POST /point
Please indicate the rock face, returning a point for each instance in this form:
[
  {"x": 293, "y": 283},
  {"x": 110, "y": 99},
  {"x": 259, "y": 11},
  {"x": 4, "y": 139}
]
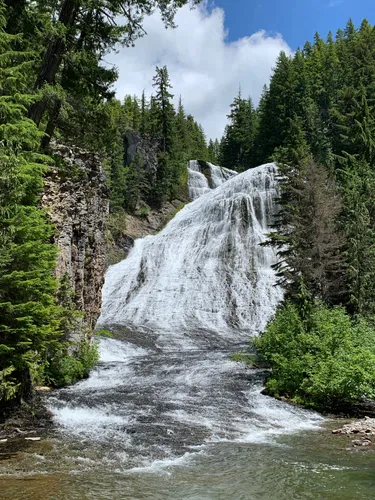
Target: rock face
[
  {"x": 121, "y": 242},
  {"x": 143, "y": 150},
  {"x": 76, "y": 198}
]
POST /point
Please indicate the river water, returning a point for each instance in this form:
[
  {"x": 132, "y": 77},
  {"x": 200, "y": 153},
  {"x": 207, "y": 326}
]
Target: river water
[
  {"x": 152, "y": 425},
  {"x": 167, "y": 414}
]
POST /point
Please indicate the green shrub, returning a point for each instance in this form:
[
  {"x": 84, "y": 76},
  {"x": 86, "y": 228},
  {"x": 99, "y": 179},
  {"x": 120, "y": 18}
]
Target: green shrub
[
  {"x": 323, "y": 359},
  {"x": 104, "y": 333},
  {"x": 64, "y": 368},
  {"x": 144, "y": 210},
  {"x": 8, "y": 385},
  {"x": 245, "y": 357}
]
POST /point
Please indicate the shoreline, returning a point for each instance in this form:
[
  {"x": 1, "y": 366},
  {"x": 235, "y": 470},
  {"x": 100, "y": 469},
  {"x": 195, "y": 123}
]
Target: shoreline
[{"x": 26, "y": 421}]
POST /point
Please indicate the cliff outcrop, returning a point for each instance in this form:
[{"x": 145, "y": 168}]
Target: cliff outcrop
[{"x": 77, "y": 200}]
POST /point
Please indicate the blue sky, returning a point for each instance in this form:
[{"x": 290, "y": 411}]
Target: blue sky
[{"x": 296, "y": 20}]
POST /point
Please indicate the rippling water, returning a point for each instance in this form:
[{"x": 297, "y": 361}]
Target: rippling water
[{"x": 148, "y": 425}]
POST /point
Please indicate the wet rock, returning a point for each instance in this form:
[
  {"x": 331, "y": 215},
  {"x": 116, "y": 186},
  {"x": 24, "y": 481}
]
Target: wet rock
[
  {"x": 362, "y": 442},
  {"x": 364, "y": 426},
  {"x": 136, "y": 226}
]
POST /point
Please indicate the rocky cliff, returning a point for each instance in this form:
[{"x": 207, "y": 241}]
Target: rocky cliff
[
  {"x": 145, "y": 150},
  {"x": 76, "y": 198},
  {"x": 124, "y": 228}
]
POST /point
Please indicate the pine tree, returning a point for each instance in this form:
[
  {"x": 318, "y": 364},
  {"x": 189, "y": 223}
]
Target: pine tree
[
  {"x": 211, "y": 151},
  {"x": 143, "y": 127},
  {"x": 278, "y": 106},
  {"x": 359, "y": 225},
  {"x": 237, "y": 150},
  {"x": 310, "y": 245},
  {"x": 197, "y": 145},
  {"x": 30, "y": 318},
  {"x": 165, "y": 108},
  {"x": 181, "y": 131},
  {"x": 163, "y": 119},
  {"x": 136, "y": 114},
  {"x": 95, "y": 28}
]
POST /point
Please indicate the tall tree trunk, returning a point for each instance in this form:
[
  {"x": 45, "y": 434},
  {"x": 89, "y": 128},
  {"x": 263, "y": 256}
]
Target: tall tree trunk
[
  {"x": 52, "y": 58},
  {"x": 51, "y": 125}
]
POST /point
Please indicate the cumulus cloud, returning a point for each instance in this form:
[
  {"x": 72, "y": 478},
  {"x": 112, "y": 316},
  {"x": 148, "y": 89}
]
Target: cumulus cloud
[{"x": 204, "y": 67}]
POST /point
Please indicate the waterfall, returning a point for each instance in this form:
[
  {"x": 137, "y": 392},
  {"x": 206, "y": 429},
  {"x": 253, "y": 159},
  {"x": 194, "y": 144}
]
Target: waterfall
[
  {"x": 167, "y": 391},
  {"x": 204, "y": 178},
  {"x": 206, "y": 271}
]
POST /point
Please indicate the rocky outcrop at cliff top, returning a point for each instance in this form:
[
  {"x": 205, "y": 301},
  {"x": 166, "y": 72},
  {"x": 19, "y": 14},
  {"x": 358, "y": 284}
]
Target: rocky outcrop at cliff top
[
  {"x": 76, "y": 198},
  {"x": 143, "y": 150}
]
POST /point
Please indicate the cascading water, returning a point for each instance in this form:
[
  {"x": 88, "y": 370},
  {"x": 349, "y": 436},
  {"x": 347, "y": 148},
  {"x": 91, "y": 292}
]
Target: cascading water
[
  {"x": 168, "y": 391},
  {"x": 206, "y": 271},
  {"x": 202, "y": 182}
]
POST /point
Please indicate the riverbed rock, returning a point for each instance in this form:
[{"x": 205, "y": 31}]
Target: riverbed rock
[
  {"x": 364, "y": 426},
  {"x": 76, "y": 197},
  {"x": 362, "y": 442}
]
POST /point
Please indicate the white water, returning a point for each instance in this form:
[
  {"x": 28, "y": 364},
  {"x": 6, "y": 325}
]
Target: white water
[
  {"x": 169, "y": 390},
  {"x": 199, "y": 184},
  {"x": 170, "y": 407},
  {"x": 206, "y": 270}
]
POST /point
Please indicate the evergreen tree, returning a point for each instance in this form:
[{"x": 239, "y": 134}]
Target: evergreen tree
[
  {"x": 165, "y": 110},
  {"x": 359, "y": 225},
  {"x": 78, "y": 25},
  {"x": 238, "y": 152},
  {"x": 136, "y": 114},
  {"x": 30, "y": 318},
  {"x": 181, "y": 131},
  {"x": 310, "y": 246},
  {"x": 211, "y": 152},
  {"x": 197, "y": 145},
  {"x": 144, "y": 115},
  {"x": 278, "y": 106}
]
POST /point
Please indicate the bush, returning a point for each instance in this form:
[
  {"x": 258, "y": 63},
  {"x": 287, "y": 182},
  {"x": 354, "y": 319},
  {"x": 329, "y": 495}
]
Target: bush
[
  {"x": 64, "y": 368},
  {"x": 321, "y": 359}
]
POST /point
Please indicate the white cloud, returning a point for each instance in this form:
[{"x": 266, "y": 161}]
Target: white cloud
[{"x": 203, "y": 66}]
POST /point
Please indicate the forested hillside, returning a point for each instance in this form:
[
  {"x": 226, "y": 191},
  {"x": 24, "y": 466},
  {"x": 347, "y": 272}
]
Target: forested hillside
[
  {"x": 317, "y": 120},
  {"x": 178, "y": 138}
]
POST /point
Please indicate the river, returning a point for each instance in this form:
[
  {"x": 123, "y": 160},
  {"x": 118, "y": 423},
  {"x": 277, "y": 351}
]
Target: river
[{"x": 148, "y": 425}]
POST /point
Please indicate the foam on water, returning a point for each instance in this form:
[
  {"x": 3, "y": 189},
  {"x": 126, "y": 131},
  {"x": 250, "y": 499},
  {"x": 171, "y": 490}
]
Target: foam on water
[
  {"x": 111, "y": 350},
  {"x": 99, "y": 424}
]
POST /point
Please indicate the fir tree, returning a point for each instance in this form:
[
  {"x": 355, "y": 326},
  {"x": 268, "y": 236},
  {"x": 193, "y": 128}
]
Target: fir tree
[
  {"x": 30, "y": 318},
  {"x": 310, "y": 245},
  {"x": 165, "y": 109}
]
